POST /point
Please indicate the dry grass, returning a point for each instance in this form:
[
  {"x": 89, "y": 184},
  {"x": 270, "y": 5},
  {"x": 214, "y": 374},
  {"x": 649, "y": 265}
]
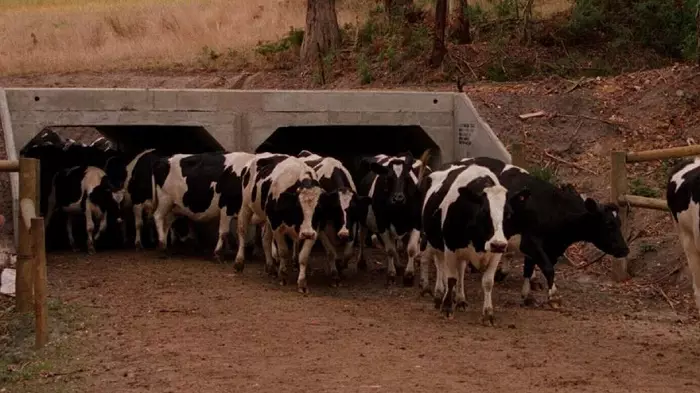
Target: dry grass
[{"x": 43, "y": 36}]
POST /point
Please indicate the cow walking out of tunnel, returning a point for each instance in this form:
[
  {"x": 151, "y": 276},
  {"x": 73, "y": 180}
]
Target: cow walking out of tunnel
[
  {"x": 283, "y": 192},
  {"x": 391, "y": 182},
  {"x": 201, "y": 187},
  {"x": 342, "y": 212},
  {"x": 553, "y": 219},
  {"x": 463, "y": 212},
  {"x": 86, "y": 190},
  {"x": 683, "y": 200}
]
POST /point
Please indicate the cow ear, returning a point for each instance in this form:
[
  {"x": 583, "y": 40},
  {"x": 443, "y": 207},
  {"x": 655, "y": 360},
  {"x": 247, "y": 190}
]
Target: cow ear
[
  {"x": 378, "y": 168},
  {"x": 471, "y": 195},
  {"x": 591, "y": 205},
  {"x": 286, "y": 200}
]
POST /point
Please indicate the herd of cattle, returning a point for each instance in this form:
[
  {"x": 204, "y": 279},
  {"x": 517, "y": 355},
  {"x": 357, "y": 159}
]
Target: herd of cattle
[{"x": 467, "y": 212}]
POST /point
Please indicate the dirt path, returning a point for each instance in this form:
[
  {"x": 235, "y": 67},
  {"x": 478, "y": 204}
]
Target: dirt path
[{"x": 190, "y": 325}]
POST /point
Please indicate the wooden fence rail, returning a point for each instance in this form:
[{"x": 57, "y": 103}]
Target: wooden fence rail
[
  {"x": 619, "y": 190},
  {"x": 30, "y": 284}
]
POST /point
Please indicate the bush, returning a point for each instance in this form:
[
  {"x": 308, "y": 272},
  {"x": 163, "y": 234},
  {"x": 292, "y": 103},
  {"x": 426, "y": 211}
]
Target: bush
[{"x": 667, "y": 26}]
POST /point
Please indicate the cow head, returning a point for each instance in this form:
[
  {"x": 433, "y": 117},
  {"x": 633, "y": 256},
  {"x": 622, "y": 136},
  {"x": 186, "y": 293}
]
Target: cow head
[
  {"x": 342, "y": 208},
  {"x": 306, "y": 196},
  {"x": 603, "y": 228},
  {"x": 397, "y": 177},
  {"x": 492, "y": 207}
]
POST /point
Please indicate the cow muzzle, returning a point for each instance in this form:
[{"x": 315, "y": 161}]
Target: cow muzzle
[
  {"x": 498, "y": 247},
  {"x": 308, "y": 234},
  {"x": 398, "y": 198},
  {"x": 343, "y": 234}
]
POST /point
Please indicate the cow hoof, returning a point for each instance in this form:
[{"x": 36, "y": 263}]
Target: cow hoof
[
  {"x": 536, "y": 286},
  {"x": 91, "y": 250},
  {"x": 437, "y": 301},
  {"x": 238, "y": 266},
  {"x": 449, "y": 312},
  {"x": 461, "y": 305},
  {"x": 528, "y": 301},
  {"x": 138, "y": 246},
  {"x": 408, "y": 280},
  {"x": 390, "y": 280},
  {"x": 488, "y": 318},
  {"x": 301, "y": 287},
  {"x": 425, "y": 291}
]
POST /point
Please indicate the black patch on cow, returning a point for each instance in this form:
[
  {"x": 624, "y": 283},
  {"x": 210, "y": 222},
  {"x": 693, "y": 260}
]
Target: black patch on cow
[
  {"x": 230, "y": 188},
  {"x": 199, "y": 172},
  {"x": 161, "y": 168},
  {"x": 68, "y": 186},
  {"x": 140, "y": 186}
]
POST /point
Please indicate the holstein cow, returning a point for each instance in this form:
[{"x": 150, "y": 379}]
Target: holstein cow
[
  {"x": 102, "y": 144},
  {"x": 394, "y": 211},
  {"x": 463, "y": 212},
  {"x": 553, "y": 219},
  {"x": 193, "y": 185},
  {"x": 344, "y": 210},
  {"x": 284, "y": 192},
  {"x": 84, "y": 189},
  {"x": 683, "y": 199}
]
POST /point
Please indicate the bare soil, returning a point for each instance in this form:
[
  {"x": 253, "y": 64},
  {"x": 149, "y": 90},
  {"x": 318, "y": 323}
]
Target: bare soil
[{"x": 185, "y": 324}]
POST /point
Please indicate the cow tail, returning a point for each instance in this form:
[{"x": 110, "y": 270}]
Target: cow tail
[{"x": 424, "y": 160}]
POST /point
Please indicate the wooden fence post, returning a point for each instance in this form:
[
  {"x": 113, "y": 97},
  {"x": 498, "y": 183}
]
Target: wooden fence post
[
  {"x": 40, "y": 283},
  {"x": 618, "y": 188},
  {"x": 517, "y": 155},
  {"x": 28, "y": 189}
]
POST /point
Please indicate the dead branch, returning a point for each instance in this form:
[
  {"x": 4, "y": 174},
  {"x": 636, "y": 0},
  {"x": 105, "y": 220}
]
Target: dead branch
[
  {"x": 572, "y": 164},
  {"x": 630, "y": 239},
  {"x": 612, "y": 123},
  {"x": 531, "y": 115},
  {"x": 576, "y": 85},
  {"x": 668, "y": 300}
]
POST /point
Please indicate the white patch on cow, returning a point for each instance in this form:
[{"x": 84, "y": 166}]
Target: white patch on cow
[
  {"x": 398, "y": 169},
  {"x": 345, "y": 197},
  {"x": 677, "y": 177},
  {"x": 688, "y": 227},
  {"x": 325, "y": 168},
  {"x": 614, "y": 213},
  {"x": 509, "y": 166}
]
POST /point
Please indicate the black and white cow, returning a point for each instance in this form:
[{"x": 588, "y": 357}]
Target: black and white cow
[
  {"x": 344, "y": 210},
  {"x": 102, "y": 144},
  {"x": 46, "y": 137},
  {"x": 86, "y": 190},
  {"x": 283, "y": 192},
  {"x": 392, "y": 184},
  {"x": 200, "y": 187},
  {"x": 683, "y": 199},
  {"x": 553, "y": 219},
  {"x": 463, "y": 212}
]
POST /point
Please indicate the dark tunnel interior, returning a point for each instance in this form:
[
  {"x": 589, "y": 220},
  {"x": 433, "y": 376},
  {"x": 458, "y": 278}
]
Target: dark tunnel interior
[
  {"x": 347, "y": 142},
  {"x": 169, "y": 139}
]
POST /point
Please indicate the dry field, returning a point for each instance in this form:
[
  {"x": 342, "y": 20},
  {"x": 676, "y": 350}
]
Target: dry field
[{"x": 97, "y": 35}]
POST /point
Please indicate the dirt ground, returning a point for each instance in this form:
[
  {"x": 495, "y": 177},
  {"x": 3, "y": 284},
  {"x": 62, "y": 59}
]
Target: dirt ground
[
  {"x": 149, "y": 324},
  {"x": 186, "y": 324}
]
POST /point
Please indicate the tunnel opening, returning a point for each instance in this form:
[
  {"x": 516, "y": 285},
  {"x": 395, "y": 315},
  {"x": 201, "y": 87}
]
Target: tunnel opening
[
  {"x": 129, "y": 140},
  {"x": 347, "y": 142}
]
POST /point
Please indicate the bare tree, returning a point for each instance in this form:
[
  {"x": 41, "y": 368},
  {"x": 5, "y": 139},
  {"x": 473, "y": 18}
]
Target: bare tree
[
  {"x": 322, "y": 32},
  {"x": 462, "y": 31},
  {"x": 439, "y": 48}
]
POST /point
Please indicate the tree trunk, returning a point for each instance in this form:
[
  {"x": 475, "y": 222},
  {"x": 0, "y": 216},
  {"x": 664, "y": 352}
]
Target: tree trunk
[
  {"x": 462, "y": 33},
  {"x": 697, "y": 33},
  {"x": 439, "y": 49},
  {"x": 321, "y": 32}
]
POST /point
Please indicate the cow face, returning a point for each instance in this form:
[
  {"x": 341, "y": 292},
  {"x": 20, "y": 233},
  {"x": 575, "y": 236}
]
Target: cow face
[
  {"x": 603, "y": 227},
  {"x": 342, "y": 208},
  {"x": 397, "y": 175},
  {"x": 305, "y": 197},
  {"x": 491, "y": 208}
]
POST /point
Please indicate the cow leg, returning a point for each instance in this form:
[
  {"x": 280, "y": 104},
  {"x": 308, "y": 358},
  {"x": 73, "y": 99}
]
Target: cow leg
[
  {"x": 303, "y": 262},
  {"x": 224, "y": 228},
  {"x": 413, "y": 249},
  {"x": 89, "y": 228},
  {"x": 347, "y": 254},
  {"x": 393, "y": 256},
  {"x": 69, "y": 230},
  {"x": 440, "y": 287},
  {"x": 426, "y": 258},
  {"x": 295, "y": 253},
  {"x": 691, "y": 252},
  {"x": 332, "y": 269},
  {"x": 533, "y": 248},
  {"x": 103, "y": 226},
  {"x": 487, "y": 281},
  {"x": 160, "y": 216},
  {"x": 361, "y": 262},
  {"x": 244, "y": 216},
  {"x": 267, "y": 244},
  {"x": 138, "y": 224},
  {"x": 528, "y": 272},
  {"x": 283, "y": 252},
  {"x": 461, "y": 300},
  {"x": 451, "y": 267}
]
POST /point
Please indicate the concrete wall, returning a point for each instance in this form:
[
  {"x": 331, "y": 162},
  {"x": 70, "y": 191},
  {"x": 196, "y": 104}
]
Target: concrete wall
[{"x": 242, "y": 120}]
